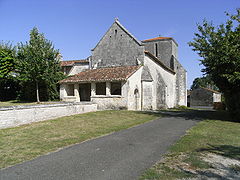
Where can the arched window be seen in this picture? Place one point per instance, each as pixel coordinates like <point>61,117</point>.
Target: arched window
<point>172,63</point>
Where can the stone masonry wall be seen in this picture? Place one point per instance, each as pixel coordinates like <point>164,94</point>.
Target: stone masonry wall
<point>165,50</point>
<point>117,48</point>
<point>18,115</point>
<point>164,91</point>
<point>181,84</point>
<point>201,97</point>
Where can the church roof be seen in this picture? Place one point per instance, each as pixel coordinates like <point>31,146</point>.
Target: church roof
<point>120,73</point>
<point>72,62</point>
<point>157,38</point>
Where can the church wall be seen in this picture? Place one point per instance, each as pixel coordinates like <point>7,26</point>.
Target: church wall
<point>168,79</point>
<point>147,95</point>
<point>134,90</point>
<point>165,50</point>
<point>117,48</point>
<point>181,84</point>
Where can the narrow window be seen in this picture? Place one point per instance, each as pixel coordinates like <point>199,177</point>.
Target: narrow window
<point>172,63</point>
<point>101,88</point>
<point>116,88</point>
<point>156,50</point>
<point>115,32</point>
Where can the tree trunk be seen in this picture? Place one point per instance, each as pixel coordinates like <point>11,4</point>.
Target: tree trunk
<point>37,92</point>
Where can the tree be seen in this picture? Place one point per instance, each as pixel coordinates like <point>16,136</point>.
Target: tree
<point>38,66</point>
<point>7,59</point>
<point>9,86</point>
<point>205,82</point>
<point>219,48</point>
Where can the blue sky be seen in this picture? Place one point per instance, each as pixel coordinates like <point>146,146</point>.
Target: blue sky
<point>75,26</point>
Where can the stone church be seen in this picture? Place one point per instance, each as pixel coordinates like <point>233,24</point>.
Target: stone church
<point>125,73</point>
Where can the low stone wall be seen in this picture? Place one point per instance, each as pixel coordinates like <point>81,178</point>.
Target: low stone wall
<point>109,102</point>
<point>18,115</point>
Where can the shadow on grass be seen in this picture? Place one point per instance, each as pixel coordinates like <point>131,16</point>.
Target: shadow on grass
<point>22,102</point>
<point>223,150</point>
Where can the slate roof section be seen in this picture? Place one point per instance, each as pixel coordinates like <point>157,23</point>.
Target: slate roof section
<point>72,62</point>
<point>120,73</point>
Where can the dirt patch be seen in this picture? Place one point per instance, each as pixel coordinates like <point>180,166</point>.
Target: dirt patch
<point>219,167</point>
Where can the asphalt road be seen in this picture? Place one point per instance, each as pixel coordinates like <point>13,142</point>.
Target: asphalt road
<point>123,155</point>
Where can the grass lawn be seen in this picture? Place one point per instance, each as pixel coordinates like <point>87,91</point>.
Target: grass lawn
<point>29,141</point>
<point>22,103</point>
<point>186,158</point>
<point>15,103</point>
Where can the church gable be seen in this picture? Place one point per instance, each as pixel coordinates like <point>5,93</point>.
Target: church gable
<point>117,48</point>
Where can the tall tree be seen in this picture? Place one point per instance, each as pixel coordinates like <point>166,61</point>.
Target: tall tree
<point>9,85</point>
<point>205,82</point>
<point>219,48</point>
<point>38,63</point>
<point>7,59</point>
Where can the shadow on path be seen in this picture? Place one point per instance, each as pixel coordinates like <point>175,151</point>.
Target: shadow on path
<point>192,114</point>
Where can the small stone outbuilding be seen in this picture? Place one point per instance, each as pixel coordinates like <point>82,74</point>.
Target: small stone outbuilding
<point>204,97</point>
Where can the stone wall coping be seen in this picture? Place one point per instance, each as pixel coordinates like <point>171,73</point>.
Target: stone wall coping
<point>7,108</point>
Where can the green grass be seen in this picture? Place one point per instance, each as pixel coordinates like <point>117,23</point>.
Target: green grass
<point>208,136</point>
<point>15,103</point>
<point>22,103</point>
<point>29,141</point>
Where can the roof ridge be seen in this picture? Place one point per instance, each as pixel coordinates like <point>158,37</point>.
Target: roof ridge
<point>160,38</point>
<point>139,42</point>
<point>156,38</point>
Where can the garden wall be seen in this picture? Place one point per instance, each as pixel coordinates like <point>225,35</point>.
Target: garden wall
<point>18,115</point>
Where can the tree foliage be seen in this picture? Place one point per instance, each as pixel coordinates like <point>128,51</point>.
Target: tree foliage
<point>38,67</point>
<point>9,86</point>
<point>205,82</point>
<point>7,59</point>
<point>219,48</point>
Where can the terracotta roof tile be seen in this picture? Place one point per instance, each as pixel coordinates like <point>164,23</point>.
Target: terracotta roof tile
<point>157,38</point>
<point>72,62</point>
<point>103,74</point>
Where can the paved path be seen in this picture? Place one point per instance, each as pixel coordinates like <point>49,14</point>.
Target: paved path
<point>123,155</point>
